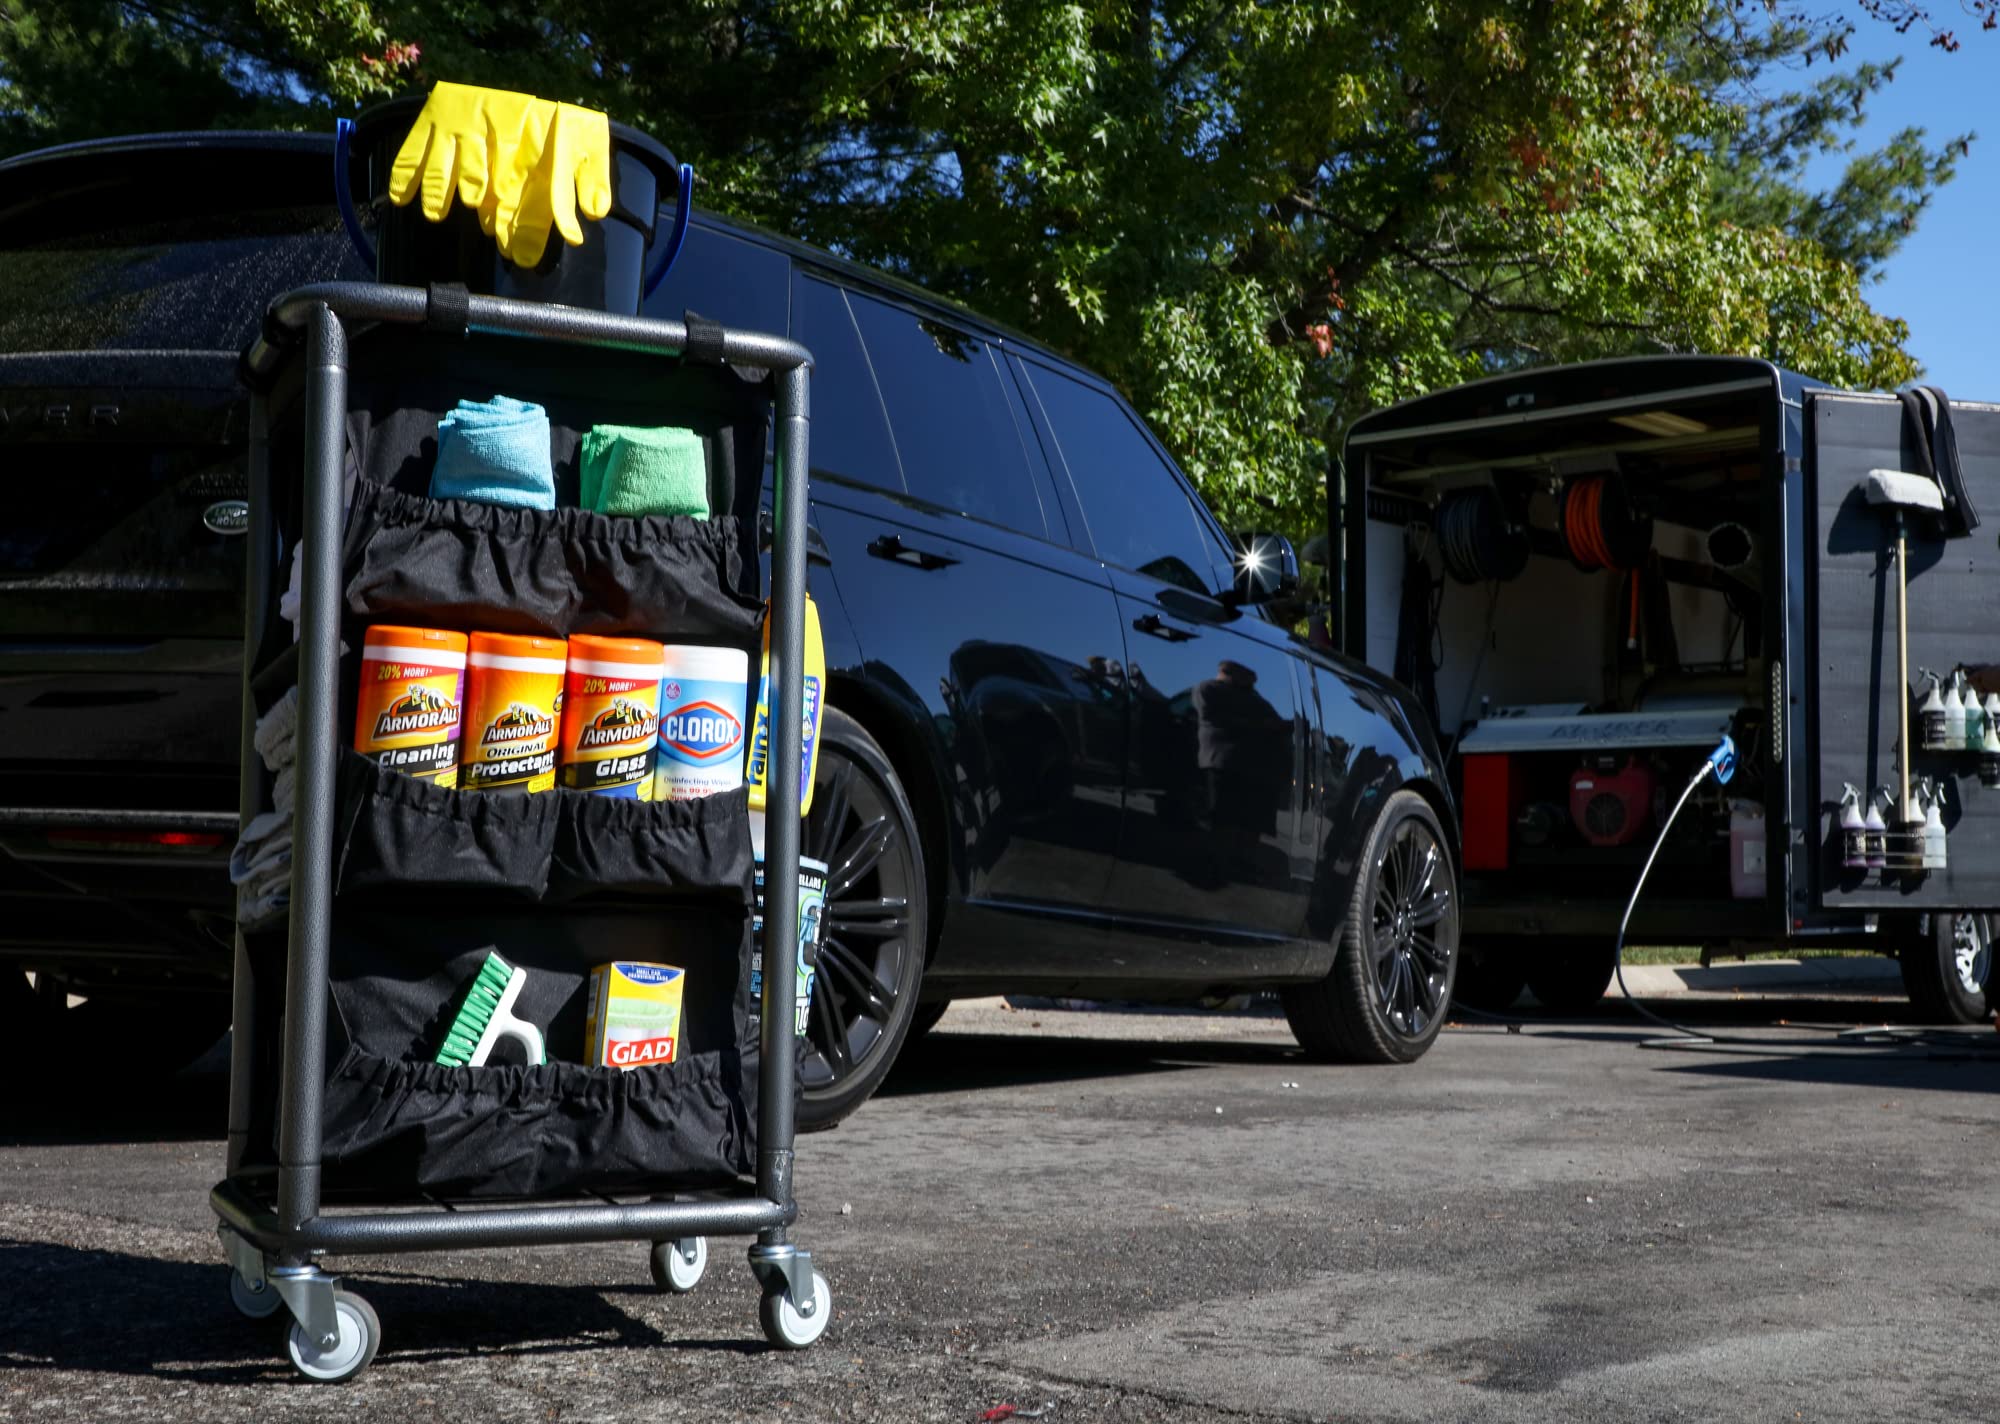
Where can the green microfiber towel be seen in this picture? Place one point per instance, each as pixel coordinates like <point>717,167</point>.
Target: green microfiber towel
<point>635,470</point>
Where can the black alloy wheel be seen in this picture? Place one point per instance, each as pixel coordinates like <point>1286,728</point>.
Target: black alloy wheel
<point>874,929</point>
<point>1386,997</point>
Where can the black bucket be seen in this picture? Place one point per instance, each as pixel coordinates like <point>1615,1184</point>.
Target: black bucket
<point>608,271</point>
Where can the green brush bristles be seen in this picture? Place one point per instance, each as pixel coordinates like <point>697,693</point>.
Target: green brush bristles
<point>481,1000</point>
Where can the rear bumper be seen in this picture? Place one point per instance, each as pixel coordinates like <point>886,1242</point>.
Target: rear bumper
<point>105,898</point>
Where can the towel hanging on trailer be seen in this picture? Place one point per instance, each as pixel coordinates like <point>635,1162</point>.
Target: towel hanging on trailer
<point>1927,423</point>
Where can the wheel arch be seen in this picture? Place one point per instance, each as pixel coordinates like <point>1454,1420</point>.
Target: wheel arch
<point>894,729</point>
<point>1346,836</point>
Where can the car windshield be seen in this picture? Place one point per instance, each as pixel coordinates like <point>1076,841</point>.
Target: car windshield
<point>188,283</point>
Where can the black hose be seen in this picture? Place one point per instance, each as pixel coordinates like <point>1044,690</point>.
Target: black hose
<point>1479,542</point>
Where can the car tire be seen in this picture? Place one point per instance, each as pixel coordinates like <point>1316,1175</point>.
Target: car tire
<point>1948,970</point>
<point>1490,975</point>
<point>875,930</point>
<point>1390,986</point>
<point>1569,976</point>
<point>926,1018</point>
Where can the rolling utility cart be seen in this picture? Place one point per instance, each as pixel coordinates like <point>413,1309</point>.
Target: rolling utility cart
<point>344,1135</point>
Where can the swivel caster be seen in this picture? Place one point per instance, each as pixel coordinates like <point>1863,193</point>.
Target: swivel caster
<point>357,1336</point>
<point>792,1325</point>
<point>254,1301</point>
<point>678,1265</point>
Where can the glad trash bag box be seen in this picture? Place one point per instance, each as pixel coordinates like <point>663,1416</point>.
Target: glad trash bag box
<point>634,1014</point>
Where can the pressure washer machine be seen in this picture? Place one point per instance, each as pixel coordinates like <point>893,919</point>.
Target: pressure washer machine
<point>1590,573</point>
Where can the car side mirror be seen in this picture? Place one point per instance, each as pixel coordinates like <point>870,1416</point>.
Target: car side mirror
<point>1267,569</point>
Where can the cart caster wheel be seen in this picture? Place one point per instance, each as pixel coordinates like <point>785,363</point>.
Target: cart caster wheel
<point>352,1349</point>
<point>254,1302</point>
<point>789,1328</point>
<point>678,1265</point>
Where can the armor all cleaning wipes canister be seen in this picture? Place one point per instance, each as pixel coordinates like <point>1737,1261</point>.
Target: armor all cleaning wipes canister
<point>704,694</point>
<point>412,699</point>
<point>610,716</point>
<point>513,700</point>
<point>633,1017</point>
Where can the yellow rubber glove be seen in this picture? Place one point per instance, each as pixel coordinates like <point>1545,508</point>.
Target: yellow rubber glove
<point>563,167</point>
<point>468,141</point>
<point>515,126</point>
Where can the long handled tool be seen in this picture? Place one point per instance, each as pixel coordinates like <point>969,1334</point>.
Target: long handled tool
<point>1897,490</point>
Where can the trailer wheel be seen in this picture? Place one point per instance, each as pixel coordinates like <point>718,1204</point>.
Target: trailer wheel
<point>1490,975</point>
<point>1948,972</point>
<point>1569,976</point>
<point>1390,986</point>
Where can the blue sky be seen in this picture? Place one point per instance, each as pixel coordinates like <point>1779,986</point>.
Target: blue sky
<point>1944,280</point>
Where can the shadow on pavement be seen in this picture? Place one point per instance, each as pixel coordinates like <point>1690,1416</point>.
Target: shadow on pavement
<point>963,1062</point>
<point>1793,1041</point>
<point>192,1106</point>
<point>106,1312</point>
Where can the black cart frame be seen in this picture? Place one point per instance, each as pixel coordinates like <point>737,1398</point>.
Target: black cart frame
<point>274,1241</point>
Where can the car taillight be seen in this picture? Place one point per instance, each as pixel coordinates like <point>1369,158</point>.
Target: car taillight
<point>94,839</point>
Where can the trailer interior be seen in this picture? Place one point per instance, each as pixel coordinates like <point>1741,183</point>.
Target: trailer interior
<point>1592,573</point>
<point>1580,594</point>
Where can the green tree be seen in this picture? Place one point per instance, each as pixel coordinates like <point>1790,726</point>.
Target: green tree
<point>1261,219</point>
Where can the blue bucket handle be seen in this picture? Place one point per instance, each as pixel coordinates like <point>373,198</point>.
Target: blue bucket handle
<point>343,196</point>
<point>672,251</point>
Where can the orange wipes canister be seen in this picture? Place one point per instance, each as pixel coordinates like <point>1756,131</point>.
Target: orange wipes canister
<point>611,716</point>
<point>513,706</point>
<point>412,694</point>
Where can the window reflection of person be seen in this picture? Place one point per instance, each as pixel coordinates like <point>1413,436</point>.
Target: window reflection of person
<point>1239,738</point>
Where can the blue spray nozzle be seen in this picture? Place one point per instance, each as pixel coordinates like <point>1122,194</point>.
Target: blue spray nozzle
<point>1723,759</point>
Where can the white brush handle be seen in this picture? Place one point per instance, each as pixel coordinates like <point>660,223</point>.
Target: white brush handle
<point>503,1024</point>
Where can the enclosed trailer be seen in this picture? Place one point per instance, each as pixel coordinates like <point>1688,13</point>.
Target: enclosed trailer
<point>1592,572</point>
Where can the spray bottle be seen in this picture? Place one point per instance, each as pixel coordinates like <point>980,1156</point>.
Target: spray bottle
<point>1930,716</point>
<point>1853,830</point>
<point>1975,715</point>
<point>757,771</point>
<point>1933,802</point>
<point>1875,832</point>
<point>1954,716</point>
<point>1989,748</point>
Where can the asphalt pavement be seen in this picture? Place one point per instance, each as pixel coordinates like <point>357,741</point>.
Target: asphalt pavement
<point>1118,1216</point>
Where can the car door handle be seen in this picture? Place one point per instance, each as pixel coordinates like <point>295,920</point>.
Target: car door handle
<point>891,547</point>
<point>1155,626</point>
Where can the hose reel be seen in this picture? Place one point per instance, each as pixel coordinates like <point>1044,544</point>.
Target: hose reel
<point>1480,541</point>
<point>1599,527</point>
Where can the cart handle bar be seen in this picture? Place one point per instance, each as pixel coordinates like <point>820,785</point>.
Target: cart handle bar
<point>286,319</point>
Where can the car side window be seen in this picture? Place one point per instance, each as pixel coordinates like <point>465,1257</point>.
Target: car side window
<point>727,279</point>
<point>960,445</point>
<point>1137,510</point>
<point>850,431</point>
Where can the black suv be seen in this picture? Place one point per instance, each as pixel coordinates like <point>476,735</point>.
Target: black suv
<point>1070,749</point>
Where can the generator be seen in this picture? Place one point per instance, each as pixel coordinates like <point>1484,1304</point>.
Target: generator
<point>1590,573</point>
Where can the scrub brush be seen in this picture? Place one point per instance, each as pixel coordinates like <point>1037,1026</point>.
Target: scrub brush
<point>487,1016</point>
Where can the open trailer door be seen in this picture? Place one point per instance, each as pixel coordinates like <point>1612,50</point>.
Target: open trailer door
<point>1858,687</point>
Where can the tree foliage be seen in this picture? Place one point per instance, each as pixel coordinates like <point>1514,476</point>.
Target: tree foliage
<point>1261,219</point>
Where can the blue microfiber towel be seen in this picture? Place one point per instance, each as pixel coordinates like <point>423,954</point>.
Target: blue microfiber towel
<point>496,452</point>
<point>638,470</point>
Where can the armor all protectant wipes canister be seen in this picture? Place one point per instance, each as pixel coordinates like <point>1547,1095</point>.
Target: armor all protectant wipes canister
<point>513,701</point>
<point>610,716</point>
<point>704,694</point>
<point>412,699</point>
